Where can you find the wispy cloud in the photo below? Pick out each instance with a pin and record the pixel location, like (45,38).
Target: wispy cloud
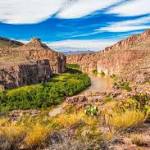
(132,8)
(93,45)
(33,11)
(82,8)
(126,26)
(28,11)
(68,21)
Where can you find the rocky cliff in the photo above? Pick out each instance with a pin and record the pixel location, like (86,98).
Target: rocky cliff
(36,50)
(87,62)
(30,63)
(129,58)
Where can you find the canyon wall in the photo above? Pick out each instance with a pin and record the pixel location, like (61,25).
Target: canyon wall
(31,63)
(87,62)
(129,58)
(24,73)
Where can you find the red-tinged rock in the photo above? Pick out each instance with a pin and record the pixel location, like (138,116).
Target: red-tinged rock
(129,59)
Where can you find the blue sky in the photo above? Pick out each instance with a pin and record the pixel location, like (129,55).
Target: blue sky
(70,25)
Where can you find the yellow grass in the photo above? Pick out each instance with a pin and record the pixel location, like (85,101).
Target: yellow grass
(36,135)
(66,120)
(129,118)
(3,121)
(12,132)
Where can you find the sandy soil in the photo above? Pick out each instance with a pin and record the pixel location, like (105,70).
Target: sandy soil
(98,84)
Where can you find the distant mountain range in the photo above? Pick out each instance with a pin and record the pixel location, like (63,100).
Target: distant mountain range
(77,52)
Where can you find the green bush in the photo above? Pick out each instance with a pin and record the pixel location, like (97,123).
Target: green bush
(73,66)
(91,110)
(46,94)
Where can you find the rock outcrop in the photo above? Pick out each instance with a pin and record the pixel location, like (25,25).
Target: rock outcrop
(129,58)
(36,50)
(31,63)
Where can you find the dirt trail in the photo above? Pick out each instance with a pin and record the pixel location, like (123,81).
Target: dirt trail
(98,84)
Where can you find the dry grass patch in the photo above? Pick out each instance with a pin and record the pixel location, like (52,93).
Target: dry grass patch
(11,136)
(37,135)
(129,118)
(66,120)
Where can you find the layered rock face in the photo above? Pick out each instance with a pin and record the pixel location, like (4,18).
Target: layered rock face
(129,58)
(87,62)
(28,64)
(35,50)
(24,73)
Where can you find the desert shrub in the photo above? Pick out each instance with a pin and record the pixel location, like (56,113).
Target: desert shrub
(125,85)
(44,94)
(91,110)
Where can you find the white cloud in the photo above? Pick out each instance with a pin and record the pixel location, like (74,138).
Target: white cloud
(126,26)
(28,11)
(132,8)
(73,45)
(84,7)
(33,11)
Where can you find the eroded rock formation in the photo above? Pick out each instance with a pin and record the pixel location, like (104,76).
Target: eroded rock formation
(30,63)
(129,58)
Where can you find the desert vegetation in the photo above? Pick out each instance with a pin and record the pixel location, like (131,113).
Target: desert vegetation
(83,127)
(82,124)
(96,73)
(37,132)
(73,66)
(45,94)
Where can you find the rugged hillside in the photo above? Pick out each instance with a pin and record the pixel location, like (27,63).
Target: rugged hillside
(7,42)
(30,63)
(129,58)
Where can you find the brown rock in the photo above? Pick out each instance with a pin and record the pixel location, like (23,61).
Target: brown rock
(27,64)
(129,58)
